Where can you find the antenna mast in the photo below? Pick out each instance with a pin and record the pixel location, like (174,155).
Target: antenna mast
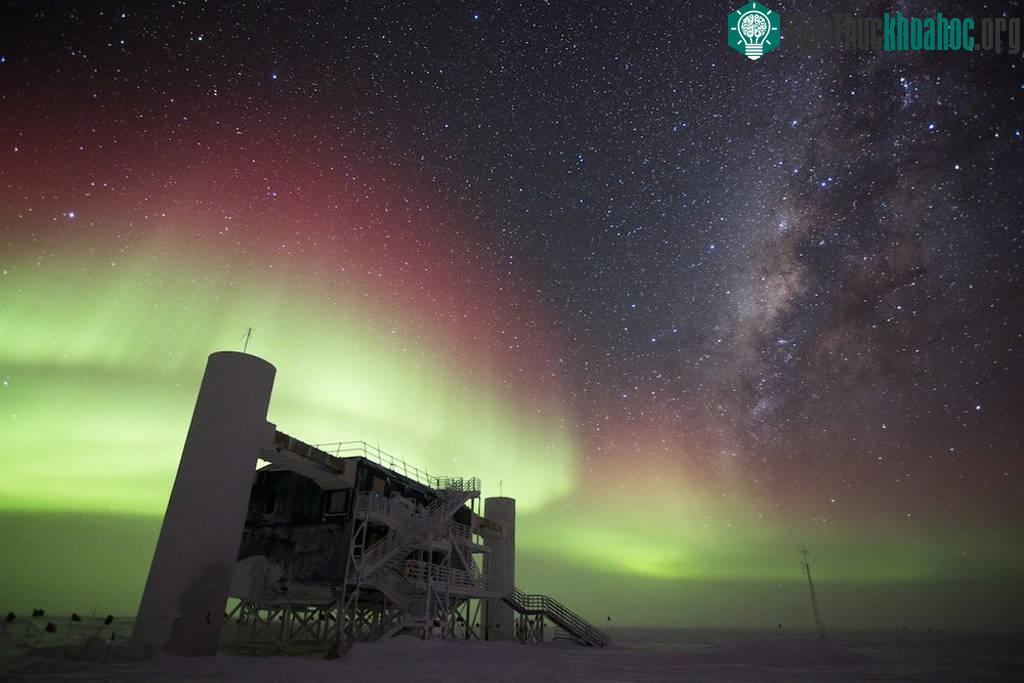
(818,623)
(248,336)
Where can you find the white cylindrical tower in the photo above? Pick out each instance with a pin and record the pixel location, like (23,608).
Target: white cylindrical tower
(500,566)
(182,607)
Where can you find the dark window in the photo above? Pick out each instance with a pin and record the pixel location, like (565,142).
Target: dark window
(336,502)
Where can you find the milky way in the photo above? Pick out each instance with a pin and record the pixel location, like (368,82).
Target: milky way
(693,311)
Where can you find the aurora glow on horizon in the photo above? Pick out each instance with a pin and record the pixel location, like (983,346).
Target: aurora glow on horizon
(554,284)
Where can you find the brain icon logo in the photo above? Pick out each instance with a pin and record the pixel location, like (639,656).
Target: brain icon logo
(754,30)
(753,26)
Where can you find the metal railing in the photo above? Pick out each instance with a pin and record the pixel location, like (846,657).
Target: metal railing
(383,553)
(460,532)
(375,505)
(470,485)
(362,449)
(394,586)
(408,529)
(420,571)
(398,515)
(558,613)
(447,502)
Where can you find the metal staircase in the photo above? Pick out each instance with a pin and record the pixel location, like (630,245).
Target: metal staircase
(452,494)
(384,564)
(563,617)
(389,552)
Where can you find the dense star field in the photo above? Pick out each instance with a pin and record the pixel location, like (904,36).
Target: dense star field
(691,310)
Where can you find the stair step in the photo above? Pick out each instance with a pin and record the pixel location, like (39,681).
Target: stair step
(565,620)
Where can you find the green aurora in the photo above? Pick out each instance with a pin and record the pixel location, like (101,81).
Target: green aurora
(100,363)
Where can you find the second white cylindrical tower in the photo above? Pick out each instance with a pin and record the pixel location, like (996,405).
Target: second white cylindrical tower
(500,566)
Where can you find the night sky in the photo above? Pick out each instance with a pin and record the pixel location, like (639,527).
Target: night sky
(691,310)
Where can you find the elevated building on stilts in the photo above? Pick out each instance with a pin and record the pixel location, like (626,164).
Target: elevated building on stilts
(335,543)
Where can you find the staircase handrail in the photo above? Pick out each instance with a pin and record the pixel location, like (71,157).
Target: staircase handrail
(558,613)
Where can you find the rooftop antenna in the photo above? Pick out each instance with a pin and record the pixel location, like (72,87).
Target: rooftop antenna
(819,625)
(248,336)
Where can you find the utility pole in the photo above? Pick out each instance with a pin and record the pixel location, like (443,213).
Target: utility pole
(818,623)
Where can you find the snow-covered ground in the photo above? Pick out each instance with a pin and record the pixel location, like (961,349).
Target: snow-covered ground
(638,655)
